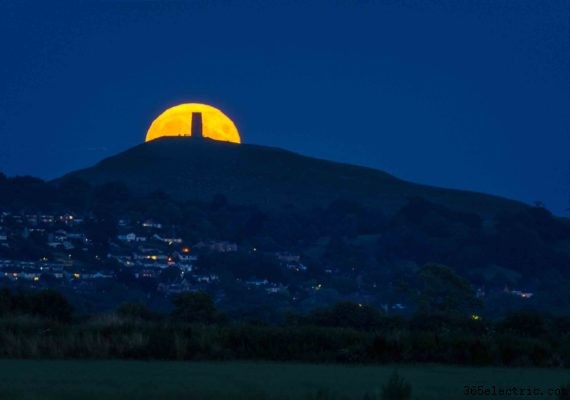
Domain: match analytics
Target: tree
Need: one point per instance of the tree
(75, 193)
(525, 322)
(99, 231)
(48, 304)
(443, 291)
(135, 311)
(170, 275)
(6, 302)
(347, 314)
(195, 307)
(110, 198)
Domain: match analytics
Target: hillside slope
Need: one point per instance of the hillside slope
(195, 169)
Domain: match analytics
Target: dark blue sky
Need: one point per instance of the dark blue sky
(463, 94)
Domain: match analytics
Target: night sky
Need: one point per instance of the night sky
(463, 94)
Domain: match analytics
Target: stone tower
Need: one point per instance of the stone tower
(196, 127)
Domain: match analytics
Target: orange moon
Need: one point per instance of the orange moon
(177, 120)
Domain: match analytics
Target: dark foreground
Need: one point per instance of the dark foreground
(126, 380)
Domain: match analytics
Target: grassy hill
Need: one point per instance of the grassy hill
(196, 169)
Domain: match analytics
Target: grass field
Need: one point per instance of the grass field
(130, 380)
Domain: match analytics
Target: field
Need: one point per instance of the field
(130, 380)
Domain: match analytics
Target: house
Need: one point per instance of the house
(4, 239)
(257, 282)
(297, 267)
(184, 257)
(3, 216)
(47, 219)
(288, 258)
(131, 237)
(31, 219)
(70, 219)
(480, 294)
(206, 278)
(150, 257)
(30, 275)
(185, 267)
(12, 274)
(518, 293)
(123, 222)
(276, 288)
(76, 236)
(97, 275)
(170, 240)
(124, 259)
(151, 224)
(218, 246)
(148, 273)
(60, 235)
(174, 288)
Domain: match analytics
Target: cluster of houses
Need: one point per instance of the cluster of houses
(146, 249)
(518, 293)
(480, 293)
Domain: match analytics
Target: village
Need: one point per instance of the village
(66, 256)
(44, 250)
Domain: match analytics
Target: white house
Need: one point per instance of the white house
(152, 224)
(167, 240)
(131, 237)
(218, 246)
(185, 257)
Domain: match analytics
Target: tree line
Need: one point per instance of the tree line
(42, 325)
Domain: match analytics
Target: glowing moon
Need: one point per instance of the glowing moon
(177, 120)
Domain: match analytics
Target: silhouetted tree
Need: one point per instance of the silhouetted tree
(75, 193)
(443, 291)
(52, 305)
(349, 315)
(525, 322)
(195, 308)
(136, 311)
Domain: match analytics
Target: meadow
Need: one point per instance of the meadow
(130, 380)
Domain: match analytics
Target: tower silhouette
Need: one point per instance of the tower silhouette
(196, 126)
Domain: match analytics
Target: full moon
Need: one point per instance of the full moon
(177, 121)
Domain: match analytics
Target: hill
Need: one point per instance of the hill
(197, 169)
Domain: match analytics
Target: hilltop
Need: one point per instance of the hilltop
(198, 169)
(109, 232)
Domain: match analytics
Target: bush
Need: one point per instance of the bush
(396, 388)
(348, 315)
(52, 305)
(526, 323)
(195, 307)
(135, 311)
